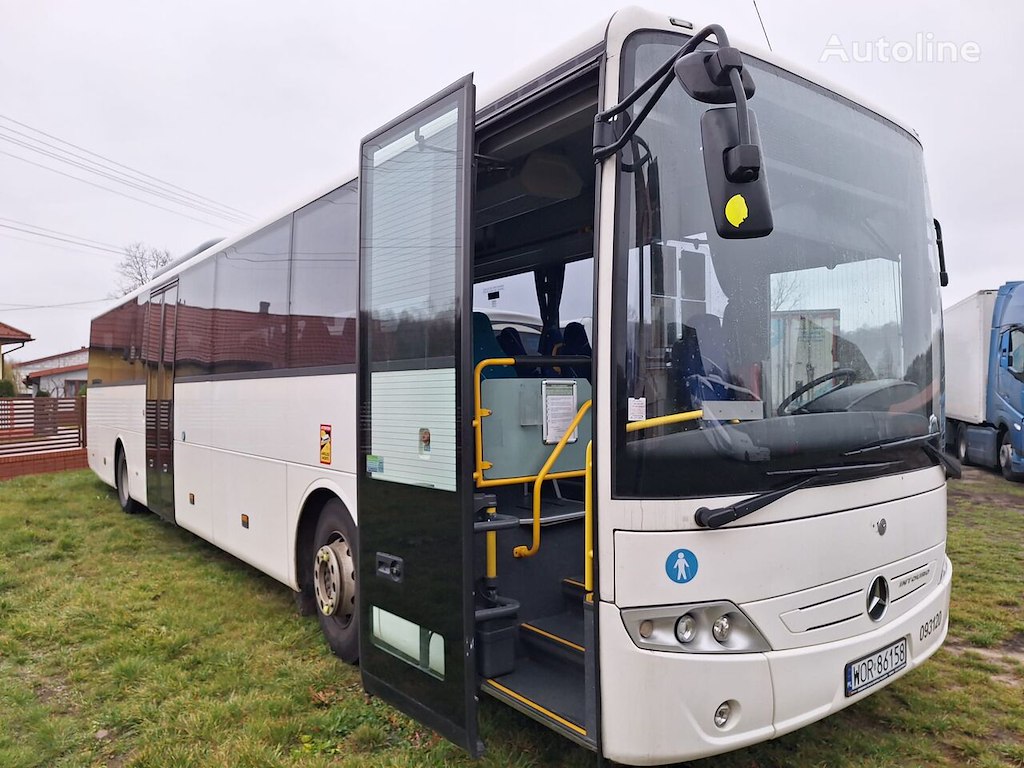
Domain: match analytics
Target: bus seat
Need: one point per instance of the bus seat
(486, 346)
(576, 344)
(711, 342)
(576, 341)
(512, 343)
(688, 368)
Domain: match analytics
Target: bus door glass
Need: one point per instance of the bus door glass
(159, 356)
(415, 443)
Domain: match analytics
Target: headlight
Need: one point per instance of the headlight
(718, 627)
(686, 629)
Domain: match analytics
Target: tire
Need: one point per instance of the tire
(1005, 466)
(961, 443)
(128, 505)
(305, 601)
(335, 565)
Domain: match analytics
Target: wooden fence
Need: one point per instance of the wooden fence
(31, 425)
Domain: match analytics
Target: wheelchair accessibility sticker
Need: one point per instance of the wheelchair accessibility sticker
(681, 566)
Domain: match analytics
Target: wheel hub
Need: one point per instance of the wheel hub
(334, 579)
(1006, 455)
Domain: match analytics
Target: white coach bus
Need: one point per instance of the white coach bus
(707, 512)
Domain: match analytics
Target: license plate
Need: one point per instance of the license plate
(876, 667)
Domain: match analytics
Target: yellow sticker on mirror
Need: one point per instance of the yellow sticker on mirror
(736, 210)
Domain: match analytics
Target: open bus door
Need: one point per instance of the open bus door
(415, 436)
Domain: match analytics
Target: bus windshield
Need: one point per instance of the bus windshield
(798, 349)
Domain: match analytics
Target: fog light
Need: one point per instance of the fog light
(646, 628)
(720, 629)
(686, 629)
(722, 714)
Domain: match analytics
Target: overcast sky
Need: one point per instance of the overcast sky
(255, 104)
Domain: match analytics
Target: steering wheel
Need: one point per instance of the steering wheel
(846, 376)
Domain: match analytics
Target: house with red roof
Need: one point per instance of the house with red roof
(11, 335)
(61, 375)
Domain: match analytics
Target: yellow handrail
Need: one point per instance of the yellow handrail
(657, 421)
(588, 525)
(530, 551)
(491, 570)
(479, 412)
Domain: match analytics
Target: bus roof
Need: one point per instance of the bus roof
(610, 33)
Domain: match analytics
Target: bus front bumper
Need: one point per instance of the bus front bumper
(658, 707)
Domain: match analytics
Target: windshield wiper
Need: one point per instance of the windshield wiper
(885, 445)
(716, 518)
(948, 463)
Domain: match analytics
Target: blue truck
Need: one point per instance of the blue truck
(984, 345)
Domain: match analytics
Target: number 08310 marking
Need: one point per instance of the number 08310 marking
(934, 624)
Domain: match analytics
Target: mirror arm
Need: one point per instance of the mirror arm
(601, 128)
(943, 274)
(742, 119)
(603, 120)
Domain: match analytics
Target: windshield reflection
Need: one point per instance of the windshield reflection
(797, 347)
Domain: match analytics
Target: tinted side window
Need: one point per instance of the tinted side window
(324, 281)
(115, 342)
(250, 319)
(194, 341)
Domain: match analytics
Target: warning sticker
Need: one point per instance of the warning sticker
(325, 443)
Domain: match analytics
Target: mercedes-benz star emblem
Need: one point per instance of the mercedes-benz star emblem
(878, 598)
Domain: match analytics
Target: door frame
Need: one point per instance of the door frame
(400, 685)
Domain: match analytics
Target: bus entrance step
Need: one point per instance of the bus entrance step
(550, 692)
(573, 589)
(560, 635)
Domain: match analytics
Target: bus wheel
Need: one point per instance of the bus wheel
(128, 504)
(1005, 463)
(334, 580)
(961, 443)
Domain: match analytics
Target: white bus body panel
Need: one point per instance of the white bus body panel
(252, 446)
(658, 707)
(967, 327)
(746, 563)
(809, 603)
(118, 413)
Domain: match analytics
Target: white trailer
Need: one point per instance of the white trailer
(967, 326)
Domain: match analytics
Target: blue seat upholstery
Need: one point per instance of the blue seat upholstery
(485, 346)
(576, 344)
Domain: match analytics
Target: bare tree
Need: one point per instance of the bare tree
(786, 292)
(138, 266)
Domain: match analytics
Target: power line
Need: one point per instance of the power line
(58, 232)
(126, 167)
(62, 305)
(108, 189)
(71, 239)
(118, 177)
(62, 248)
(758, 11)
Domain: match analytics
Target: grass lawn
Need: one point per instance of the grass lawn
(127, 642)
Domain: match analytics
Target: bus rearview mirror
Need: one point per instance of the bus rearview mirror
(705, 75)
(737, 184)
